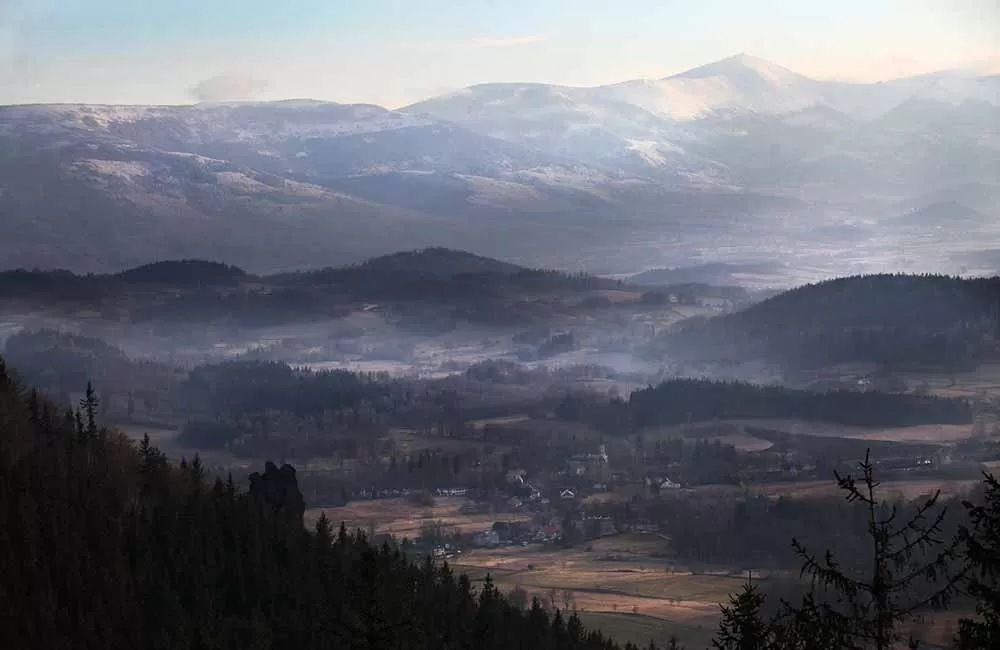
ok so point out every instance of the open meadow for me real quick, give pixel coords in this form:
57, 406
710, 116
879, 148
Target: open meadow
403, 518
615, 585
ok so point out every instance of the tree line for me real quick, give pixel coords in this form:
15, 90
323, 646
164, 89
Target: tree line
476, 288
679, 401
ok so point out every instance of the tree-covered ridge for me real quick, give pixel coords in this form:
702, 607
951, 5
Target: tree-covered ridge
442, 284
179, 274
61, 362
182, 273
439, 261
105, 545
894, 319
678, 401
442, 265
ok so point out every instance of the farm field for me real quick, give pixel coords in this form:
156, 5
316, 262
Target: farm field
635, 597
728, 433
640, 628
402, 518
911, 489
925, 433
735, 432
984, 380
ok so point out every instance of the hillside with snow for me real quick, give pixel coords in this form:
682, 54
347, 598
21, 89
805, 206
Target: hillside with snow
735, 160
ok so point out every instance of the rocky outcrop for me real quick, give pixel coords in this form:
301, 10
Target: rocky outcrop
279, 488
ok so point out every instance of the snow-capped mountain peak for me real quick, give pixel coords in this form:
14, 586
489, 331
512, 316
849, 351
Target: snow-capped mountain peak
740, 83
743, 67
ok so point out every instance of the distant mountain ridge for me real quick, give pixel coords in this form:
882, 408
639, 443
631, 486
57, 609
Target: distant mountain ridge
546, 175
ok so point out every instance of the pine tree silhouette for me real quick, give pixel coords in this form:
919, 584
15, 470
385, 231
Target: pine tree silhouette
910, 570
981, 540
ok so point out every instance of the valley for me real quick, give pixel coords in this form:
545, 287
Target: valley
490, 326
536, 426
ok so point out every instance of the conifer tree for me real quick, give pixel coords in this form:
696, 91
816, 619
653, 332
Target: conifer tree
166, 560
89, 405
911, 569
981, 540
743, 626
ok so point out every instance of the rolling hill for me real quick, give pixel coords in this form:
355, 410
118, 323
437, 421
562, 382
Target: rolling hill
886, 319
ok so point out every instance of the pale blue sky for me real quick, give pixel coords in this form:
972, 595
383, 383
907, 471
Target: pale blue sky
392, 52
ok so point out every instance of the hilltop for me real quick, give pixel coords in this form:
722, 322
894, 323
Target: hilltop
439, 261
889, 319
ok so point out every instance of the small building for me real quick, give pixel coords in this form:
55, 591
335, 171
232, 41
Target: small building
567, 494
581, 464
452, 492
661, 483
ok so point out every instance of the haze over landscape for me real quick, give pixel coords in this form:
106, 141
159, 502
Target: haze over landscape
580, 320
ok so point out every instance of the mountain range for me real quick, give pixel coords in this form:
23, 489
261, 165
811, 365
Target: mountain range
737, 161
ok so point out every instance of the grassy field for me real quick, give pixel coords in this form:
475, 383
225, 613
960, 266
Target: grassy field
632, 597
725, 432
925, 433
909, 489
408, 441
499, 421
614, 582
733, 432
888, 489
640, 628
402, 518
983, 381
635, 598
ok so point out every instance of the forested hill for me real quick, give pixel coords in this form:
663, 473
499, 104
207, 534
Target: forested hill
440, 261
892, 319
432, 273
183, 273
103, 545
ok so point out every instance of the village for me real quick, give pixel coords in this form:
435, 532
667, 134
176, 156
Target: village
597, 493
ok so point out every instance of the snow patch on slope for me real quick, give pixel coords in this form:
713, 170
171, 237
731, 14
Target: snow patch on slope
127, 170
204, 122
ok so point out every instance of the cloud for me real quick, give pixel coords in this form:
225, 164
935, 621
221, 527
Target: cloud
229, 87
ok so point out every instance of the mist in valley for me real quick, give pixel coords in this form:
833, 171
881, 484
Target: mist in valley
424, 327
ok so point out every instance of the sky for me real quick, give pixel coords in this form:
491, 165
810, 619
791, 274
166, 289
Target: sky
395, 52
